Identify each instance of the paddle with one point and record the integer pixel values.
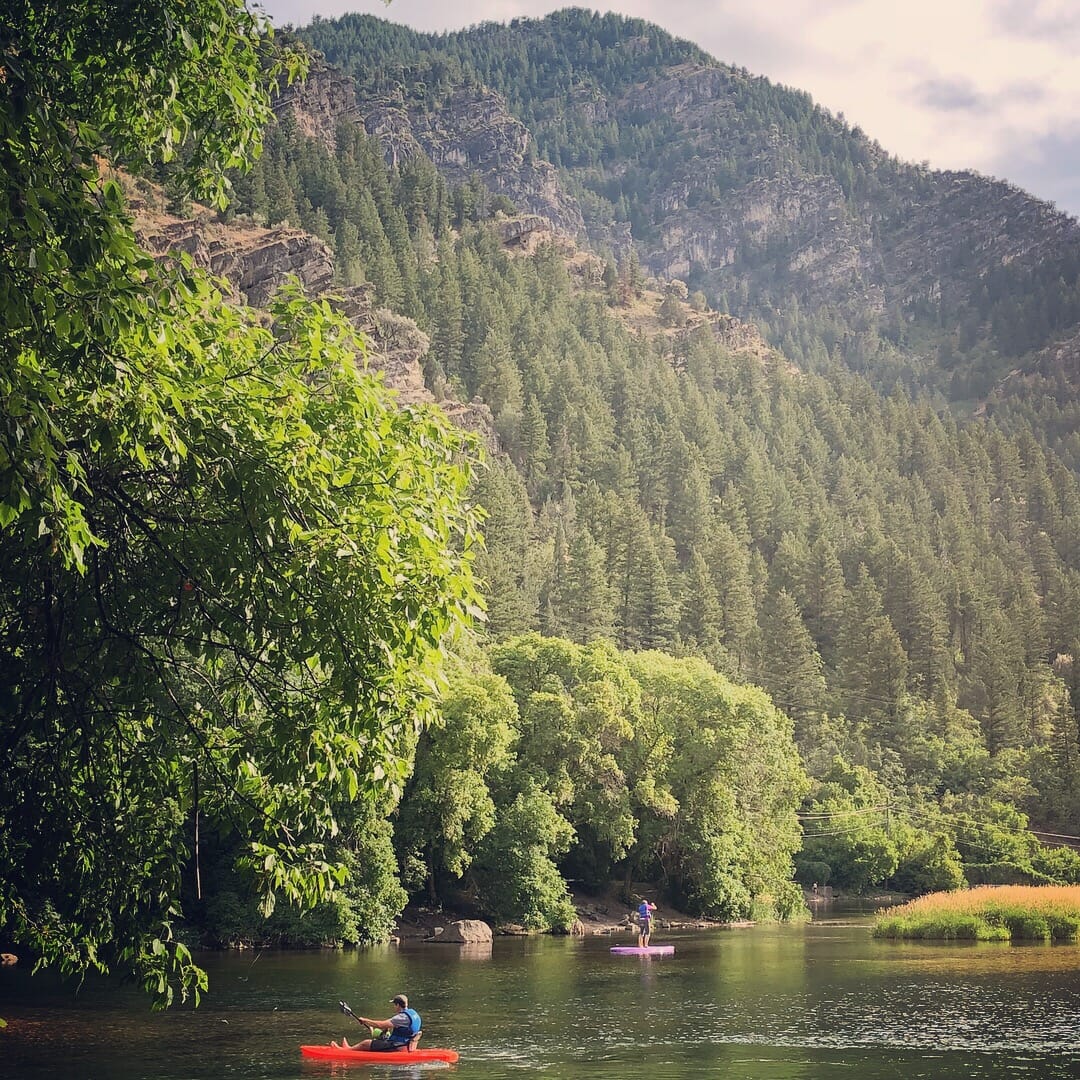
(348, 1012)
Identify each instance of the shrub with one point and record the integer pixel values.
(1001, 913)
(928, 864)
(1004, 873)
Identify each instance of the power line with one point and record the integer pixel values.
(1059, 835)
(844, 813)
(974, 828)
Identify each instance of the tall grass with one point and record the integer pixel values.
(990, 913)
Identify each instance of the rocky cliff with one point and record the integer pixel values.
(778, 225)
(469, 133)
(319, 103)
(472, 132)
(253, 263)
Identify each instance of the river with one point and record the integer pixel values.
(823, 1001)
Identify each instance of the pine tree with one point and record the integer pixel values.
(991, 683)
(730, 565)
(653, 612)
(448, 334)
(789, 666)
(872, 664)
(505, 565)
(585, 599)
(701, 624)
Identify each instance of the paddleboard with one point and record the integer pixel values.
(648, 950)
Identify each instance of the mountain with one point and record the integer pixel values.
(748, 191)
(786, 492)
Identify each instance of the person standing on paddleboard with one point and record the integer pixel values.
(402, 1030)
(645, 910)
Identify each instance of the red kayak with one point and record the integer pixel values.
(379, 1057)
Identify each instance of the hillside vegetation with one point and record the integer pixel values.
(756, 614)
(902, 583)
(748, 190)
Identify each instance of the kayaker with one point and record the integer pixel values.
(645, 910)
(402, 1030)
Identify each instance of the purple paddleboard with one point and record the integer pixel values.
(648, 950)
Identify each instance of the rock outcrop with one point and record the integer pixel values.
(319, 103)
(465, 932)
(472, 133)
(255, 262)
(827, 245)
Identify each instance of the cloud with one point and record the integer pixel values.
(951, 95)
(1051, 161)
(1056, 20)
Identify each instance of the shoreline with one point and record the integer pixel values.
(596, 916)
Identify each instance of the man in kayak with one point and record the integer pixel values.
(400, 1032)
(645, 910)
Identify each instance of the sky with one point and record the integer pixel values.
(991, 85)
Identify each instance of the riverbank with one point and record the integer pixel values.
(596, 914)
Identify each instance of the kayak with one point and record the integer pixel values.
(647, 950)
(379, 1057)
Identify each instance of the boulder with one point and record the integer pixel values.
(513, 930)
(467, 932)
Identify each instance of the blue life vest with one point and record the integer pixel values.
(404, 1034)
(643, 910)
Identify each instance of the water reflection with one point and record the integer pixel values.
(476, 950)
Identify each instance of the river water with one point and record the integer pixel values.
(824, 1001)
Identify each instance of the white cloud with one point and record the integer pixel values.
(984, 84)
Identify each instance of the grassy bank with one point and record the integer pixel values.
(992, 913)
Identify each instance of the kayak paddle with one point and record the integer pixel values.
(344, 1006)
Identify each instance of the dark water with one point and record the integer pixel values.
(818, 1002)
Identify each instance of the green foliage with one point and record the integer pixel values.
(577, 707)
(926, 863)
(858, 851)
(448, 807)
(229, 559)
(947, 926)
(517, 877)
(1003, 873)
(602, 763)
(989, 914)
(903, 585)
(725, 834)
(1059, 865)
(842, 549)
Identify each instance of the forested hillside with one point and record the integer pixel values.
(905, 585)
(779, 211)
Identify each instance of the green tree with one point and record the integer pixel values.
(585, 600)
(517, 876)
(448, 808)
(229, 560)
(790, 667)
(725, 829)
(845, 823)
